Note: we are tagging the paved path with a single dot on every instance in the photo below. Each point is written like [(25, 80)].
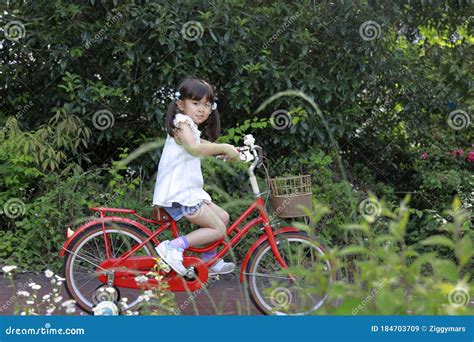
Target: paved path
[(228, 294)]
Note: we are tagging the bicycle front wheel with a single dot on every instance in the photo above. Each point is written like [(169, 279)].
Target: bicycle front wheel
[(301, 289)]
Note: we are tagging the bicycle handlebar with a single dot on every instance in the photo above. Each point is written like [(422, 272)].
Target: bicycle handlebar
[(248, 153)]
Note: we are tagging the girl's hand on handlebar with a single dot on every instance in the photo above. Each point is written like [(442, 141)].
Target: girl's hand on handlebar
[(232, 152)]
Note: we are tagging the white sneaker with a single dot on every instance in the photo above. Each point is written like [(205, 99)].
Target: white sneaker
[(172, 256), (221, 267)]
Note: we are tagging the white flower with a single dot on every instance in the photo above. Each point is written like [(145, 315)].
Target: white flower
[(8, 269), (31, 284), (23, 293), (48, 273), (59, 278), (36, 287), (58, 299), (70, 302), (30, 302), (53, 281), (23, 313), (46, 296), (60, 283), (50, 310), (70, 309)]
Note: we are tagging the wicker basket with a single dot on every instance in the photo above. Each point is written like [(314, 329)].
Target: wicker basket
[(287, 193)]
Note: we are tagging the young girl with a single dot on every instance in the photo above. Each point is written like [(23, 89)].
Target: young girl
[(179, 182)]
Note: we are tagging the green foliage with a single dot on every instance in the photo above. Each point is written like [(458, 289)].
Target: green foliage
[(391, 277)]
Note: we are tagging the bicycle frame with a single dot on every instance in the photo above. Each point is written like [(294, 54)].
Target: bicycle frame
[(263, 218), (176, 283)]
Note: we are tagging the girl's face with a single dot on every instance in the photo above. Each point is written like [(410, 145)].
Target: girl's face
[(199, 111)]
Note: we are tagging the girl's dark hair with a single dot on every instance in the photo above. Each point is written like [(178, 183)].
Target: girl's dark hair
[(195, 89)]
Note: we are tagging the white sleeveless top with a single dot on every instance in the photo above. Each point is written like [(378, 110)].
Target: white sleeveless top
[(179, 176)]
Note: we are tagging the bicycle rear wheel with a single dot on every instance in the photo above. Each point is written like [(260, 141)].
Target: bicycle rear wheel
[(271, 288), (87, 251)]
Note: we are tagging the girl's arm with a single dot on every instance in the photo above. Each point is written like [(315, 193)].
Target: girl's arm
[(184, 137)]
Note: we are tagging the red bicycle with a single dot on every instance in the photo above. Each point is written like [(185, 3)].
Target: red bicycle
[(112, 251)]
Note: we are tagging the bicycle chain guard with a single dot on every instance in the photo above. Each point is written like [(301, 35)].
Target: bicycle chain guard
[(127, 271)]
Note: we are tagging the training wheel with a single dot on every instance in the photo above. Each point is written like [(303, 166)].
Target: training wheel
[(105, 293)]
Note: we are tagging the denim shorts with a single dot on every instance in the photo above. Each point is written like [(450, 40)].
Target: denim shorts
[(177, 211)]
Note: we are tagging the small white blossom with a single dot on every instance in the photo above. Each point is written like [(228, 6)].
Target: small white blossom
[(48, 273), (70, 302), (70, 309), (23, 293), (144, 297), (30, 302), (46, 296), (58, 299), (8, 269), (36, 287), (50, 310)]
